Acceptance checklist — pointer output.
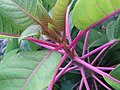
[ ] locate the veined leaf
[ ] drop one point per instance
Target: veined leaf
(6, 26)
(87, 12)
(21, 13)
(28, 70)
(59, 14)
(31, 31)
(51, 2)
(43, 15)
(113, 29)
(116, 74)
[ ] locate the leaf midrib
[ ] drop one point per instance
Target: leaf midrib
(33, 72)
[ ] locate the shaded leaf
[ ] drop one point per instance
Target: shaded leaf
(11, 45)
(33, 30)
(96, 38)
(113, 29)
(27, 70)
(87, 12)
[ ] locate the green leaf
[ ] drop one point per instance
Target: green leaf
(33, 30)
(6, 26)
(59, 14)
(96, 38)
(7, 36)
(87, 12)
(116, 74)
(28, 70)
(20, 13)
(113, 29)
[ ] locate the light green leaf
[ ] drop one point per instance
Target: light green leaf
(33, 30)
(20, 13)
(87, 12)
(113, 29)
(6, 36)
(59, 14)
(28, 70)
(116, 74)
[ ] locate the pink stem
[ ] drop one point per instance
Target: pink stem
(92, 26)
(82, 69)
(75, 41)
(98, 49)
(57, 69)
(41, 42)
(81, 84)
(70, 69)
(101, 82)
(63, 71)
(77, 59)
(51, 48)
(67, 25)
(96, 58)
(84, 78)
(105, 68)
(96, 87)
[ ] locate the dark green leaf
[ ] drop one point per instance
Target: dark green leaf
(113, 29)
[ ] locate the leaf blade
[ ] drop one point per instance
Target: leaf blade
(115, 74)
(59, 13)
(86, 13)
(26, 69)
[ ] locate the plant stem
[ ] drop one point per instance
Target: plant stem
(81, 84)
(77, 59)
(105, 54)
(92, 26)
(75, 41)
(96, 87)
(63, 71)
(85, 43)
(68, 26)
(101, 82)
(57, 69)
(84, 78)
(82, 69)
(96, 58)
(72, 68)
(41, 41)
(105, 68)
(98, 49)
